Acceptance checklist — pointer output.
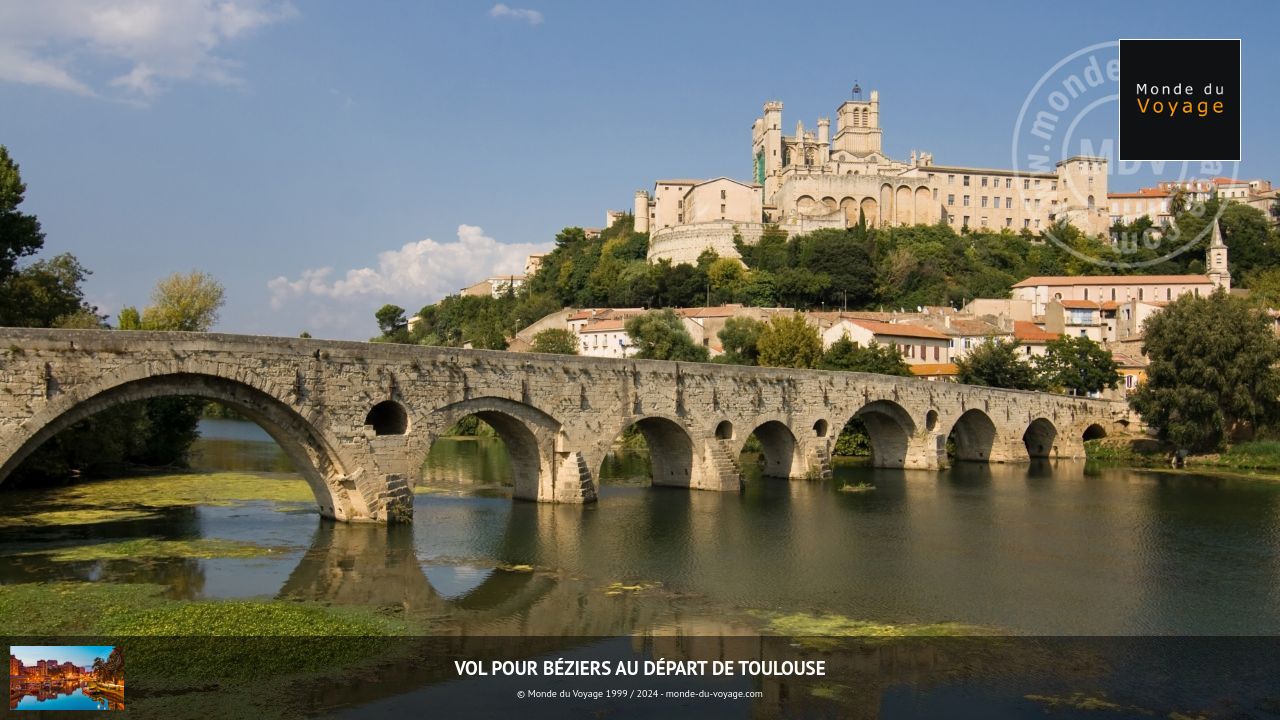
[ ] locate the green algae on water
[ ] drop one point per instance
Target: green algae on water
(831, 625)
(115, 609)
(146, 548)
(139, 498)
(78, 516)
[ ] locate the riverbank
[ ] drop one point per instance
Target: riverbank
(1257, 458)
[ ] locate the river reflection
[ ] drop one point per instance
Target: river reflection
(1042, 549)
(59, 696)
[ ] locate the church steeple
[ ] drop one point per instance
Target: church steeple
(1216, 259)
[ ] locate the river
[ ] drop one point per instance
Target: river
(1049, 549)
(1020, 549)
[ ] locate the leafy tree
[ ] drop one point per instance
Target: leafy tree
(184, 301)
(129, 318)
(41, 293)
(660, 335)
(1249, 235)
(557, 341)
(739, 337)
(81, 319)
(789, 341)
(20, 234)
(845, 354)
(1212, 372)
(391, 320)
(1078, 365)
(996, 363)
(1264, 286)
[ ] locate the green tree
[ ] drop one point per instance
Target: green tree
(81, 319)
(1212, 374)
(20, 234)
(184, 301)
(660, 335)
(390, 319)
(1264, 286)
(556, 341)
(1077, 365)
(1249, 235)
(997, 363)
(845, 354)
(129, 319)
(789, 341)
(740, 337)
(41, 293)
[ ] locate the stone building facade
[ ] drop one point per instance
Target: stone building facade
(812, 180)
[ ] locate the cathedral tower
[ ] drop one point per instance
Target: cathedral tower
(858, 127)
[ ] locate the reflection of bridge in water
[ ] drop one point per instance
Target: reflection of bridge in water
(357, 419)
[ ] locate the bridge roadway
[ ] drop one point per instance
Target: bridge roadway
(358, 419)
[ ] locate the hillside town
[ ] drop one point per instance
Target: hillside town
(1107, 309)
(808, 183)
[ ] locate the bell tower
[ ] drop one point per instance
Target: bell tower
(858, 126)
(1216, 260)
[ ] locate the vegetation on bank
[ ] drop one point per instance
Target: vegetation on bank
(135, 610)
(1212, 377)
(1255, 456)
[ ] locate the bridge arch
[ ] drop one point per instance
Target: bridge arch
(528, 433)
(312, 449)
(1093, 431)
(889, 428)
(1039, 437)
(974, 434)
(779, 449)
(671, 455)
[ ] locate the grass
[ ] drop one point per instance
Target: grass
(857, 487)
(1256, 456)
(144, 548)
(230, 659)
(115, 609)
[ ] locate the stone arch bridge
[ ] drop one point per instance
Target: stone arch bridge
(358, 419)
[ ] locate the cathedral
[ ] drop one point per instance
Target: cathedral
(808, 181)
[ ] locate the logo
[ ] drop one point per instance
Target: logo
(1065, 149)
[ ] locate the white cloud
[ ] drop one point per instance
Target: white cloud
(533, 17)
(135, 46)
(416, 274)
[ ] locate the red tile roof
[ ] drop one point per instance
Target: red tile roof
(897, 329)
(1031, 333)
(1080, 304)
(1069, 280)
(603, 326)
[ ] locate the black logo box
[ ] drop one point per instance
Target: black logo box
(1180, 66)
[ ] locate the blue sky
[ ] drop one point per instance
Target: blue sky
(411, 148)
(81, 655)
